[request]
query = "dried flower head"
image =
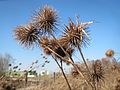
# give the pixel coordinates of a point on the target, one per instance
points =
(109, 53)
(46, 43)
(27, 35)
(46, 19)
(98, 73)
(76, 34)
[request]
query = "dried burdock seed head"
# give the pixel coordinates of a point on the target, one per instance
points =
(70, 51)
(26, 35)
(44, 41)
(66, 48)
(109, 53)
(61, 53)
(46, 19)
(47, 44)
(64, 41)
(65, 45)
(76, 34)
(98, 72)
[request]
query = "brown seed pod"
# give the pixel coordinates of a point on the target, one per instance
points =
(76, 34)
(98, 72)
(47, 44)
(109, 53)
(26, 35)
(46, 19)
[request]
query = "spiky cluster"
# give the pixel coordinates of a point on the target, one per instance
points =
(109, 53)
(47, 44)
(46, 19)
(44, 22)
(98, 73)
(76, 34)
(26, 35)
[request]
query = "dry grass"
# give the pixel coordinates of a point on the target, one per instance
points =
(58, 84)
(111, 81)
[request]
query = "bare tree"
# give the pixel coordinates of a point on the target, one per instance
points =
(4, 63)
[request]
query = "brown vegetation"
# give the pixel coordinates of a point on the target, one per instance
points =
(103, 76)
(75, 35)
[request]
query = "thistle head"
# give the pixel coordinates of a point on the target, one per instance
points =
(109, 53)
(26, 35)
(46, 19)
(44, 43)
(98, 72)
(76, 34)
(56, 50)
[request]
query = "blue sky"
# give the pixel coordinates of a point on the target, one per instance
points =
(104, 33)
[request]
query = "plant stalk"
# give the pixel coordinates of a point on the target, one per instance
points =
(84, 60)
(62, 72)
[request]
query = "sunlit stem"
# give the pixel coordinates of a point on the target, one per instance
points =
(71, 60)
(62, 48)
(82, 75)
(76, 67)
(84, 59)
(61, 68)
